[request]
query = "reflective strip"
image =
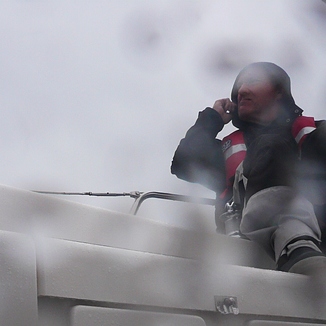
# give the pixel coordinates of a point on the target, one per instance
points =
(304, 131)
(234, 149)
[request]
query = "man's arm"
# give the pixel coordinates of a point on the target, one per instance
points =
(314, 146)
(199, 156)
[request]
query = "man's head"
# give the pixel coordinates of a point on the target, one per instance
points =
(262, 92)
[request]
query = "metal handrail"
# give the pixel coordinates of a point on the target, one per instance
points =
(169, 196)
(139, 197)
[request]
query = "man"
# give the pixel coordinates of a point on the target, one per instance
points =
(258, 167)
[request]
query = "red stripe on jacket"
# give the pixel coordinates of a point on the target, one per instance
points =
(234, 147)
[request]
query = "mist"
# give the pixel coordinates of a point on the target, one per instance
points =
(95, 96)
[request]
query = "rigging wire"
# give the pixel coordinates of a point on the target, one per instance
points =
(132, 194)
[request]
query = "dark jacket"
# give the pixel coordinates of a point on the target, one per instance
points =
(199, 156)
(273, 158)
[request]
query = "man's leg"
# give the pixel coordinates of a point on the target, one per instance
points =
(275, 215)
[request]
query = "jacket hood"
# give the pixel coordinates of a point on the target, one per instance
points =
(281, 80)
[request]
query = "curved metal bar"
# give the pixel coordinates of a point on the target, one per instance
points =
(169, 196)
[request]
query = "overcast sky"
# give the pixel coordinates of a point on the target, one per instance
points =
(96, 95)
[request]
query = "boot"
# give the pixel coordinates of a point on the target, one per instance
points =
(307, 261)
(314, 266)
